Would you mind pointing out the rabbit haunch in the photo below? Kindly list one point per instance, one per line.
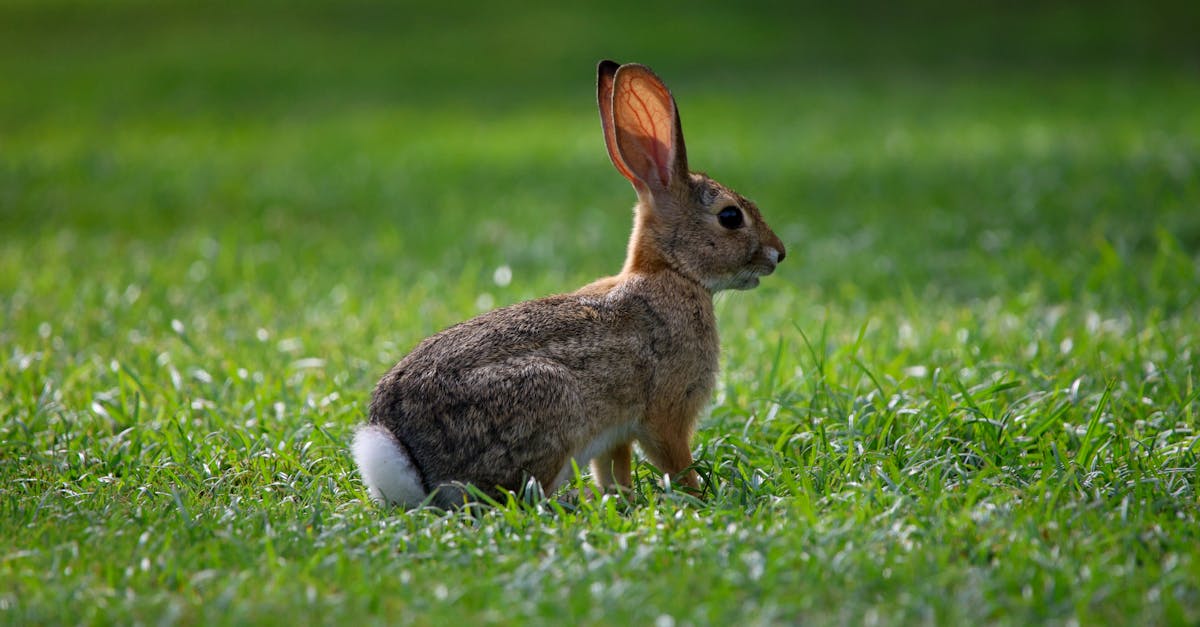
(522, 392)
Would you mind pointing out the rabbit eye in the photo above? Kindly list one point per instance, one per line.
(731, 217)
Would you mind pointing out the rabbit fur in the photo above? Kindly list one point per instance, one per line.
(522, 392)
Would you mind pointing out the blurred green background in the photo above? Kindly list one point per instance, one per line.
(888, 144)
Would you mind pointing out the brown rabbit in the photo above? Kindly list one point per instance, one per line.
(519, 393)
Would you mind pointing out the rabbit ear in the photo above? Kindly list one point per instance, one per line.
(605, 73)
(649, 138)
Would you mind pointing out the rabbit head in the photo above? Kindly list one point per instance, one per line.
(684, 220)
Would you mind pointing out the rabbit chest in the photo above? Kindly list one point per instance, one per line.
(677, 345)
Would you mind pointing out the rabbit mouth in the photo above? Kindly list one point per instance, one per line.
(748, 278)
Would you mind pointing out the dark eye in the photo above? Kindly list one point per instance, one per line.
(731, 217)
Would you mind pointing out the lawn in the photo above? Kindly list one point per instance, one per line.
(969, 395)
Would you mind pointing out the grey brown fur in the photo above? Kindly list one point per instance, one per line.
(519, 392)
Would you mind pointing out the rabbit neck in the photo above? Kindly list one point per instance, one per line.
(646, 255)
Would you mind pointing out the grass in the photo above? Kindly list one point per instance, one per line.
(970, 394)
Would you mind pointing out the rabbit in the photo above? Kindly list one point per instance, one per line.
(526, 392)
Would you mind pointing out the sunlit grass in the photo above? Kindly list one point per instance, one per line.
(969, 394)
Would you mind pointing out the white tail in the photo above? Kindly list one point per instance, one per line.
(386, 468)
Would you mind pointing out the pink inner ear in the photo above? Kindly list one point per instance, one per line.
(644, 114)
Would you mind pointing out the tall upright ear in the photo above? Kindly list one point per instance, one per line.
(606, 72)
(648, 136)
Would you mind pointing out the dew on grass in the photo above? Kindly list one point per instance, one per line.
(290, 345)
(339, 294)
(99, 409)
(907, 336)
(25, 360)
(755, 564)
(329, 399)
(198, 271)
(502, 276)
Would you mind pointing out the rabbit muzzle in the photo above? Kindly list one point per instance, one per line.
(768, 258)
(761, 264)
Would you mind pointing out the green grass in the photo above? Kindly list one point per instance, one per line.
(969, 395)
